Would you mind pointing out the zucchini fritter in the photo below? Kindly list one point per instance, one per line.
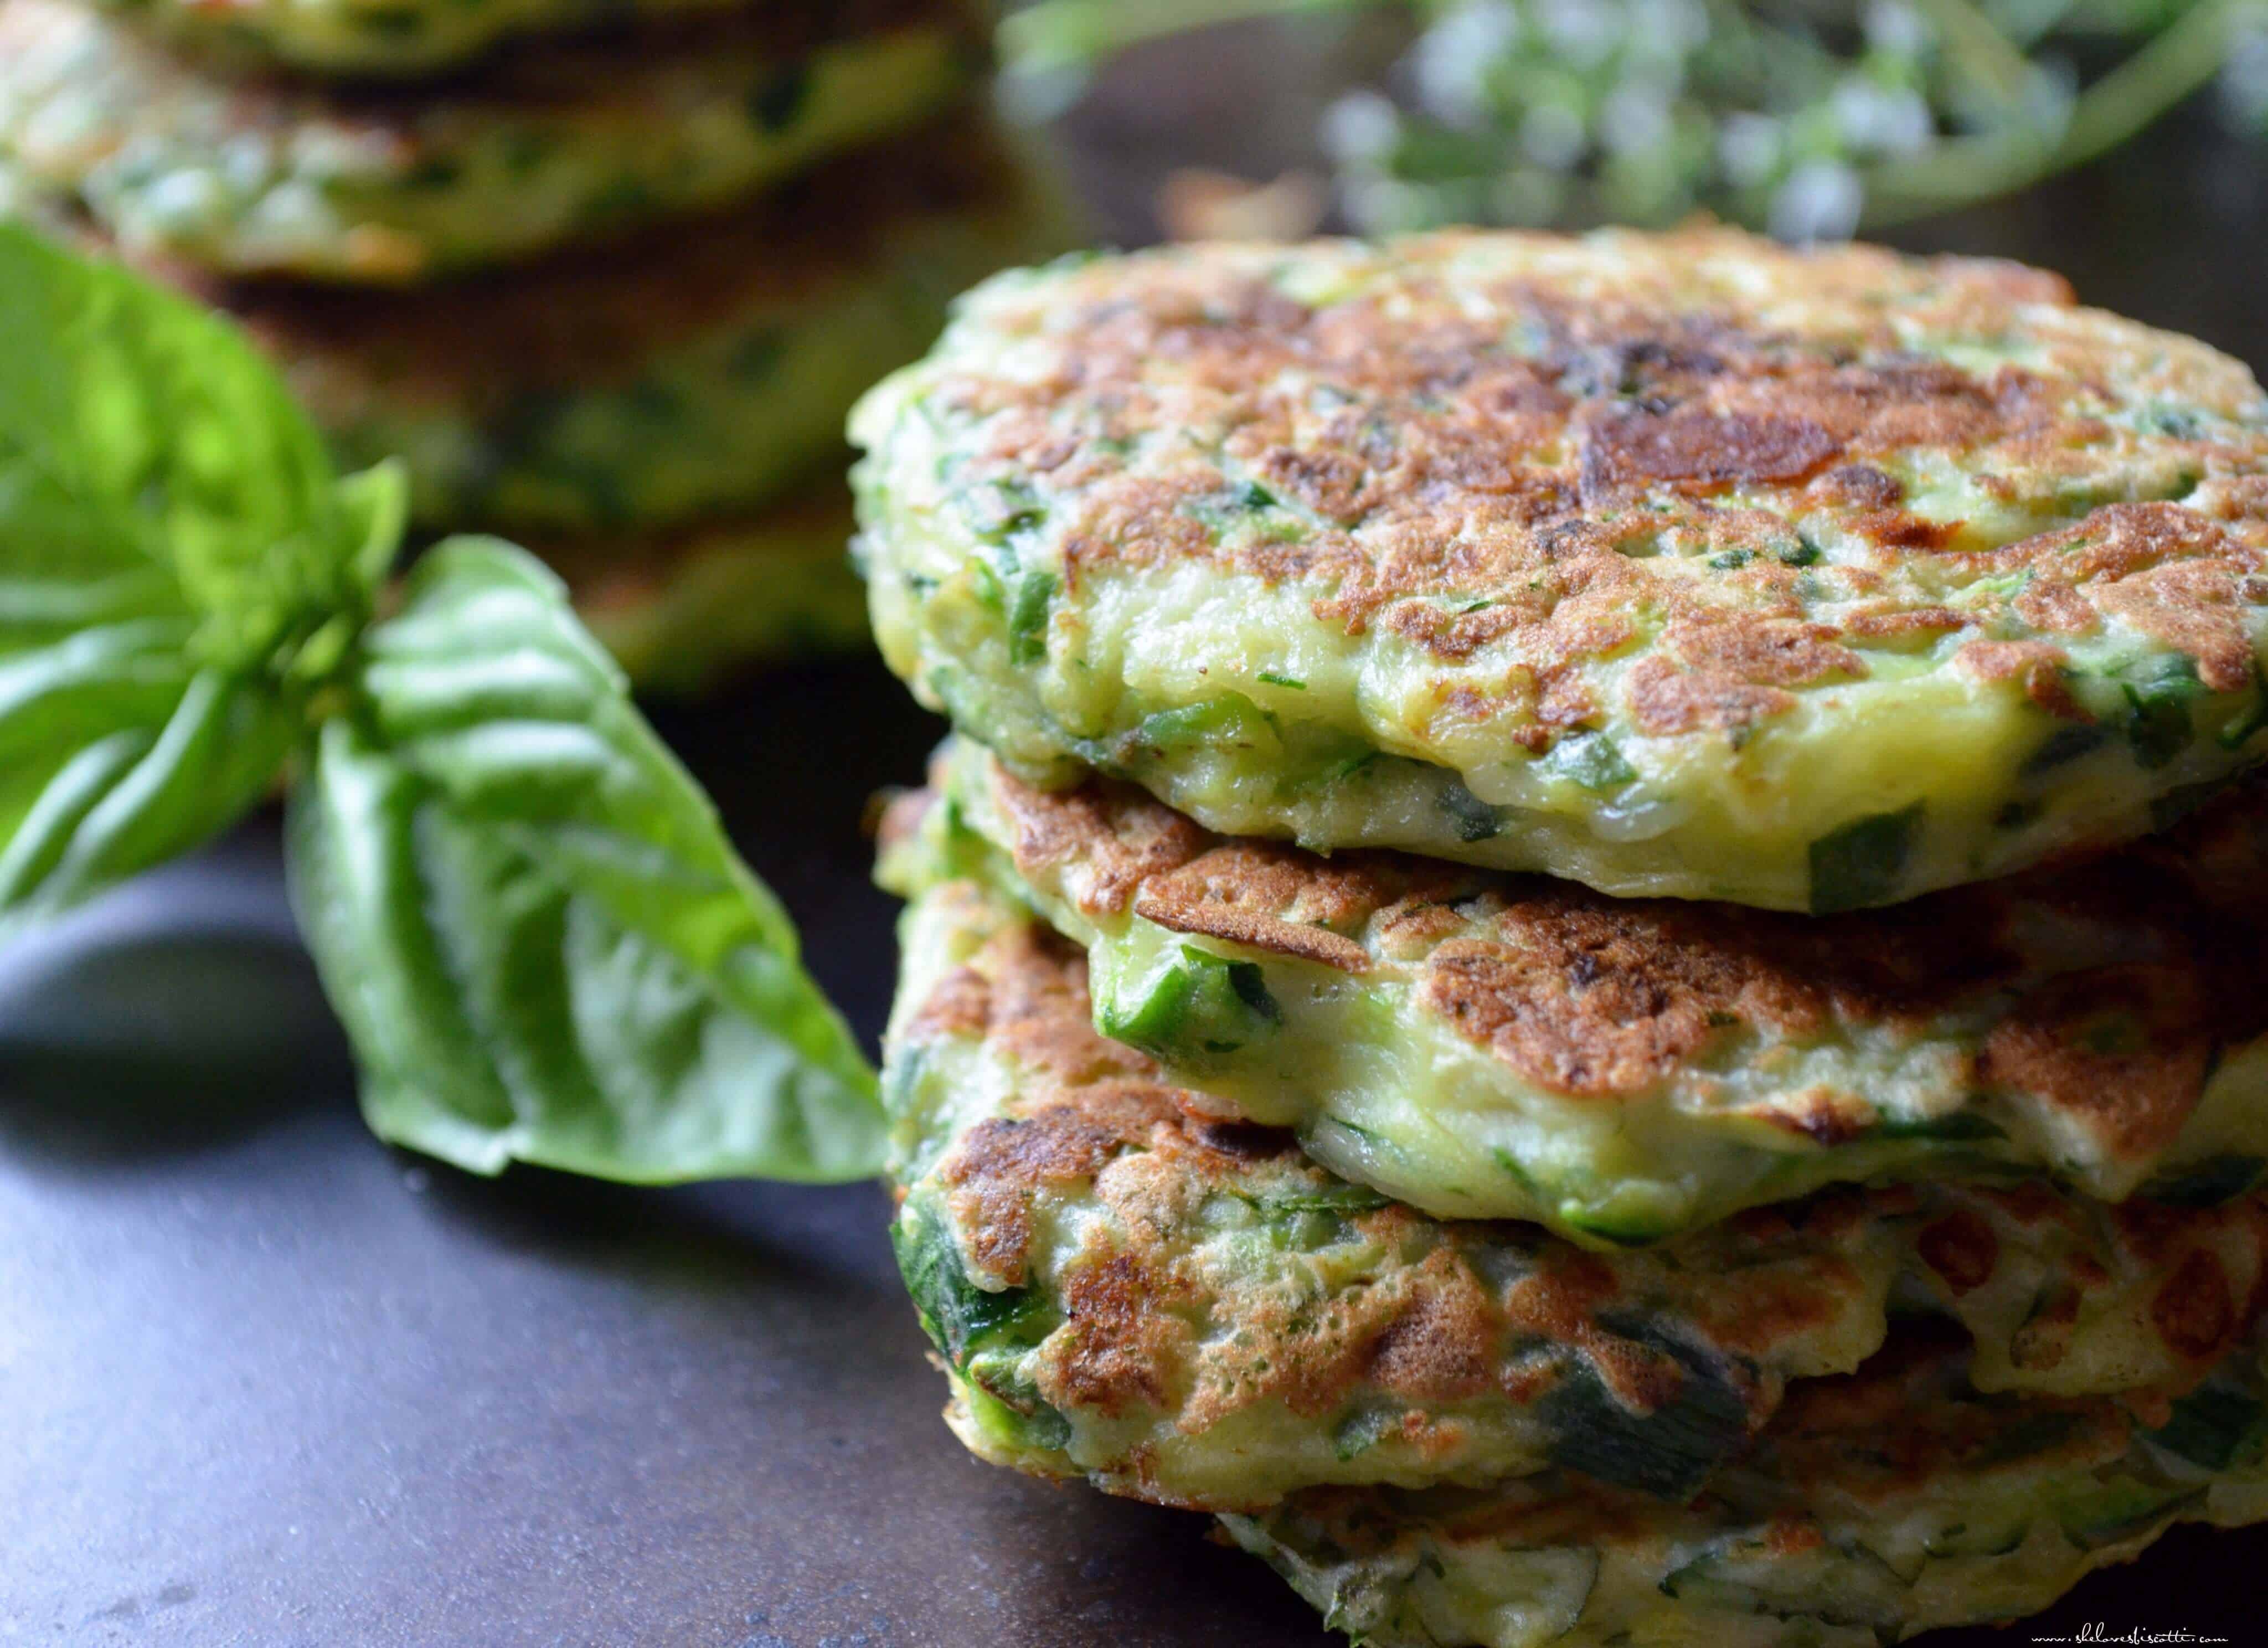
(1190, 1311)
(1683, 566)
(649, 386)
(1487, 1044)
(554, 145)
(1875, 1506)
(379, 39)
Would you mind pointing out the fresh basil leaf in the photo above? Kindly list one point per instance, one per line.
(541, 940)
(179, 566)
(148, 449)
(112, 759)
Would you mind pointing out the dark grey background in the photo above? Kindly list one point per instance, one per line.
(264, 1382)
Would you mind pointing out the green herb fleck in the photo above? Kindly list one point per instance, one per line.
(1514, 1168)
(2240, 731)
(2214, 1426)
(1196, 1006)
(1473, 819)
(1590, 759)
(1027, 617)
(1961, 1127)
(961, 1317)
(624, 198)
(1231, 506)
(1229, 719)
(2207, 1183)
(756, 358)
(2065, 745)
(2158, 726)
(1337, 1196)
(1363, 1431)
(1667, 1451)
(999, 508)
(1864, 863)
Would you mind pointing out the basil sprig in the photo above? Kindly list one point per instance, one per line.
(537, 934)
(178, 563)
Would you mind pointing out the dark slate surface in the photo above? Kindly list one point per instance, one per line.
(264, 1382)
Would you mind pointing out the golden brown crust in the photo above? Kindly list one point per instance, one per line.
(1529, 442)
(2125, 1049)
(1038, 1015)
(2039, 665)
(1707, 449)
(2201, 1312)
(1725, 674)
(1577, 1002)
(2169, 571)
(1002, 1163)
(1904, 1437)
(1120, 1338)
(1264, 898)
(1103, 850)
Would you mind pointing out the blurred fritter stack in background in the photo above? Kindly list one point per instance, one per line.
(607, 278)
(1587, 954)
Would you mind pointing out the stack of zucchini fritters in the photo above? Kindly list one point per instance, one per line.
(1590, 951)
(608, 276)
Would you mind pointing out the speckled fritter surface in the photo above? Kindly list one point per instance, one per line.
(704, 373)
(1875, 1506)
(1488, 1045)
(1683, 565)
(1192, 1311)
(553, 144)
(382, 39)
(680, 610)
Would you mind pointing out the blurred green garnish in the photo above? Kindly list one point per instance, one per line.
(1813, 119)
